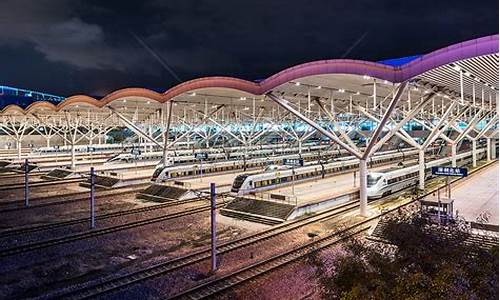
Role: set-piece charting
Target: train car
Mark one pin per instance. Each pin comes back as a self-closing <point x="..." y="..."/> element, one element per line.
<point x="96" y="148"/>
<point x="174" y="157"/>
<point x="164" y="172"/>
<point x="245" y="183"/>
<point x="381" y="184"/>
<point x="188" y="156"/>
<point x="258" y="158"/>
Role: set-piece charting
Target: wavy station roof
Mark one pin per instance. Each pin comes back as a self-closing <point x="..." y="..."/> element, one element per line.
<point x="467" y="70"/>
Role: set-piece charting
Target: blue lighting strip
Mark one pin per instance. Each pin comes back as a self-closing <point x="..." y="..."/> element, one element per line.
<point x="37" y="96"/>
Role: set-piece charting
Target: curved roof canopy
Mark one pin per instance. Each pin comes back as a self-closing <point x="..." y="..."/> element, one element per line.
<point x="475" y="60"/>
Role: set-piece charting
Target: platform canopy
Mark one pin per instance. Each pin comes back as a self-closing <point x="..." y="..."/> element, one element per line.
<point x="445" y="97"/>
<point x="456" y="85"/>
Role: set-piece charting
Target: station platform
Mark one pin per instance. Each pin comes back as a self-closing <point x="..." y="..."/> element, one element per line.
<point x="82" y="163"/>
<point x="165" y="193"/>
<point x="321" y="189"/>
<point x="124" y="168"/>
<point x="223" y="182"/>
<point x="294" y="200"/>
<point x="112" y="179"/>
<point x="483" y="201"/>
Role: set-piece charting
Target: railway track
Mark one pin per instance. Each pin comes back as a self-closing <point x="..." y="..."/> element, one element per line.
<point x="17" y="175"/>
<point x="7" y="233"/>
<point x="198" y="256"/>
<point x="41" y="183"/>
<point x="81" y="196"/>
<point x="215" y="286"/>
<point x="84" y="197"/>
<point x="98" y="232"/>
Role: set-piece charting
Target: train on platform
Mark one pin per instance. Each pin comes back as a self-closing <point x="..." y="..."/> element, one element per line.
<point x="180" y="149"/>
<point x="250" y="183"/>
<point x="178" y="157"/>
<point x="93" y="148"/>
<point x="381" y="184"/>
<point x="164" y="172"/>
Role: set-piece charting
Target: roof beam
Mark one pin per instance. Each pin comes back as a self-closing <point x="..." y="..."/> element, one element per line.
<point x="440" y="127"/>
<point x="133" y="127"/>
<point x="486" y="128"/>
<point x="405" y="120"/>
<point x="285" y="104"/>
<point x="381" y="125"/>
<point x="339" y="129"/>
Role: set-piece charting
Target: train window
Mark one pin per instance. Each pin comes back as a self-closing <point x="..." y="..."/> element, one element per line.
<point x="372" y="180"/>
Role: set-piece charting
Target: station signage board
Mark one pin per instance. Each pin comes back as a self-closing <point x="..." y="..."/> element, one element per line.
<point x="449" y="171"/>
<point x="201" y="156"/>
<point x="298" y="162"/>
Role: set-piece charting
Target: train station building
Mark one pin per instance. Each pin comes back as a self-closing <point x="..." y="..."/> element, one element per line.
<point x="440" y="103"/>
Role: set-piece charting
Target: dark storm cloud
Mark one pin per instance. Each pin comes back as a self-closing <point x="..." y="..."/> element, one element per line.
<point x="55" y="29"/>
<point x="88" y="46"/>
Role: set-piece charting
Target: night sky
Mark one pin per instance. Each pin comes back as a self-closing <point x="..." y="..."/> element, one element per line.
<point x="96" y="47"/>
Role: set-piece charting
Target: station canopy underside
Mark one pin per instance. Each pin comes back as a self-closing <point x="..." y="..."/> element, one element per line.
<point x="458" y="83"/>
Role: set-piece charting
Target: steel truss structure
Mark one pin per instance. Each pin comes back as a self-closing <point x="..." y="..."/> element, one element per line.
<point x="442" y="98"/>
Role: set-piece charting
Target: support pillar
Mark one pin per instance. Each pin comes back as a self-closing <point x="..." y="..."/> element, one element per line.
<point x="488" y="149"/>
<point x="474" y="153"/>
<point x="48" y="141"/>
<point x="494" y="149"/>
<point x="150" y="131"/>
<point x="363" y="198"/>
<point x="454" y="155"/>
<point x="18" y="149"/>
<point x="421" y="169"/>
<point x="73" y="158"/>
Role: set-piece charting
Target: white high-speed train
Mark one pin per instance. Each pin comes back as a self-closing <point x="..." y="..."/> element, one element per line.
<point x="245" y="183"/>
<point x="158" y="156"/>
<point x="380" y="184"/>
<point x="164" y="172"/>
<point x="96" y="148"/>
<point x="177" y="157"/>
<point x="187" y="155"/>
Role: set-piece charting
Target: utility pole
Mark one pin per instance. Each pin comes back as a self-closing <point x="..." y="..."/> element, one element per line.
<point x="213" y="228"/>
<point x="92" y="198"/>
<point x="26" y="184"/>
